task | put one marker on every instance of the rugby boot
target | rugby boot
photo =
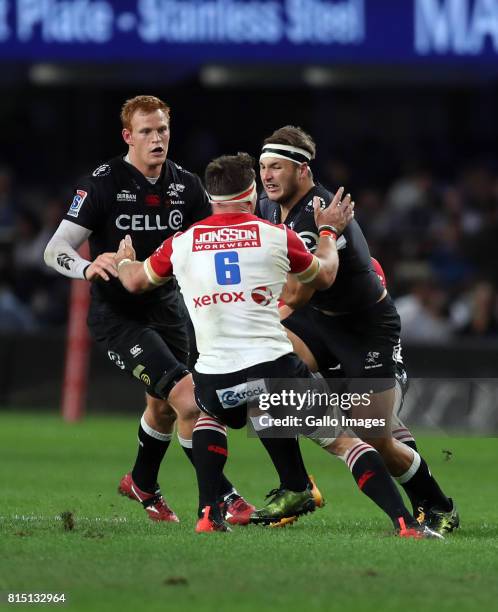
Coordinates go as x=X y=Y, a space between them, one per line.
x=211 y=521
x=417 y=532
x=236 y=510
x=153 y=503
x=284 y=504
x=319 y=503
x=443 y=522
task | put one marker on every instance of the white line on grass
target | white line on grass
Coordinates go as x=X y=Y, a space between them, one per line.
x=89 y=519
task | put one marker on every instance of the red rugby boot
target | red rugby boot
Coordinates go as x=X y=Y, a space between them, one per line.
x=153 y=503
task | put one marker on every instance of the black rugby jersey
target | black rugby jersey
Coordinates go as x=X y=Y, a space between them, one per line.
x=357 y=285
x=117 y=199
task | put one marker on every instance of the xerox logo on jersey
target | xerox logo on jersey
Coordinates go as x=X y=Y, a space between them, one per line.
x=219 y=298
x=218 y=239
x=77 y=203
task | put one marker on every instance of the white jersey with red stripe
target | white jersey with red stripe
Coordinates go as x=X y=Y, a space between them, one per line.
x=231 y=268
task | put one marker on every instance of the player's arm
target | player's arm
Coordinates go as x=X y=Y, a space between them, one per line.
x=294 y=295
x=322 y=269
x=86 y=214
x=140 y=276
x=61 y=254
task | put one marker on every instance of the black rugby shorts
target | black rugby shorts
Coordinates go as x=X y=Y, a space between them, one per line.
x=150 y=343
x=365 y=343
x=222 y=395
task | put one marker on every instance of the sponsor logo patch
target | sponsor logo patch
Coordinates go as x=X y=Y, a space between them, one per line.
x=219 y=239
x=145 y=378
x=262 y=295
x=64 y=260
x=102 y=170
x=231 y=397
x=219 y=298
x=126 y=196
x=116 y=358
x=141 y=223
x=175 y=189
x=397 y=357
x=152 y=199
x=77 y=203
x=136 y=350
x=371 y=360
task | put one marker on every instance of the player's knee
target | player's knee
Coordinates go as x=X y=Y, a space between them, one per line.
x=166 y=381
x=340 y=446
x=162 y=412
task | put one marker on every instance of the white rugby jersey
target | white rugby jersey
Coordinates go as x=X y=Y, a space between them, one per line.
x=231 y=268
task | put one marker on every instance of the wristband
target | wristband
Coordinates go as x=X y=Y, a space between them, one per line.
x=326 y=232
x=330 y=228
x=123 y=261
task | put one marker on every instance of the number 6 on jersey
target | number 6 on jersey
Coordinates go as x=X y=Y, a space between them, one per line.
x=227 y=268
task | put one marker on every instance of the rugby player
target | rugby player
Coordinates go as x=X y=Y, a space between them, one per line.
x=223 y=264
x=354 y=323
x=148 y=196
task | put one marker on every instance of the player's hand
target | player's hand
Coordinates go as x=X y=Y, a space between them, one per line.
x=104 y=266
x=125 y=250
x=337 y=214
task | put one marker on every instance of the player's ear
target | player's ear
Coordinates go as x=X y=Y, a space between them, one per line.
x=127 y=136
x=303 y=171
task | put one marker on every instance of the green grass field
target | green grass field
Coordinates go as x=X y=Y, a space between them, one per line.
x=340 y=558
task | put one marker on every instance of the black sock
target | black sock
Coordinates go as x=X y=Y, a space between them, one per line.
x=151 y=450
x=373 y=479
x=209 y=446
x=226 y=487
x=286 y=457
x=422 y=488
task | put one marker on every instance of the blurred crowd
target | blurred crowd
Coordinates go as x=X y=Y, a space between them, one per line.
x=436 y=238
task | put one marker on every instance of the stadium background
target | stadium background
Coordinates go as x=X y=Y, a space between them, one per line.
x=401 y=97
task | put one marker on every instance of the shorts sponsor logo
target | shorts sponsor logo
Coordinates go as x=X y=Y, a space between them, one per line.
x=262 y=296
x=136 y=350
x=102 y=170
x=218 y=239
x=77 y=203
x=219 y=298
x=126 y=196
x=371 y=360
x=231 y=397
x=116 y=358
